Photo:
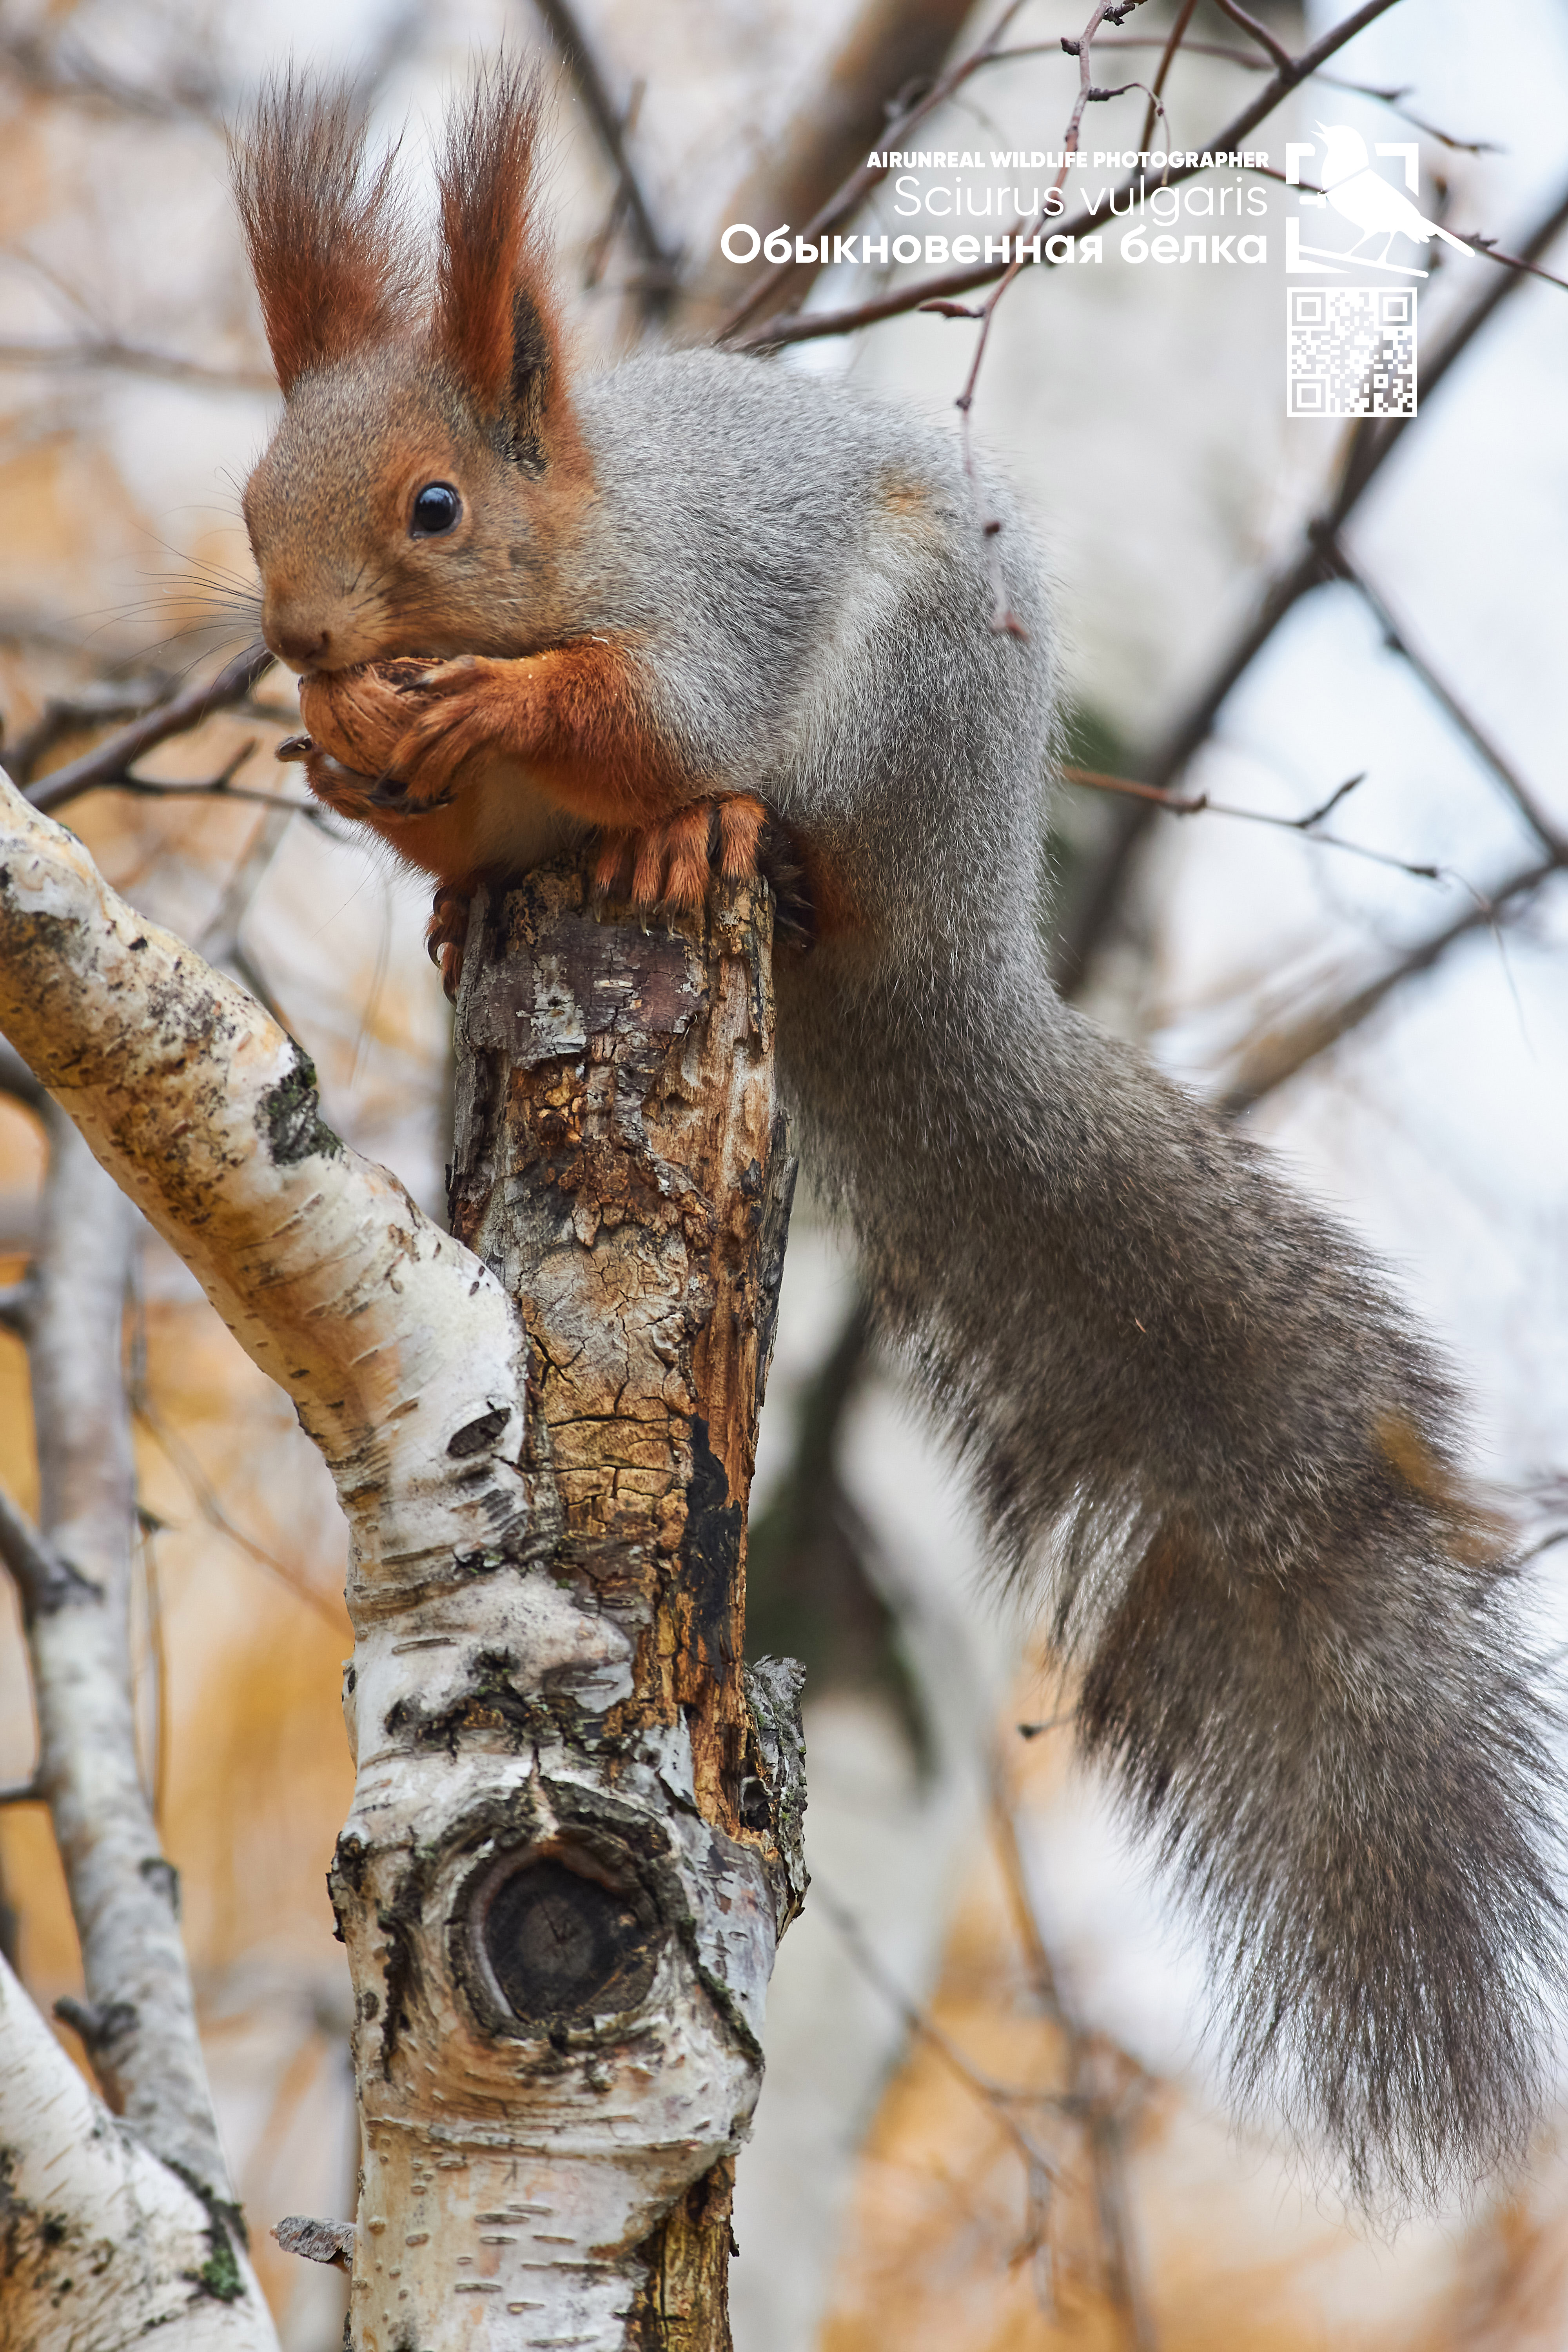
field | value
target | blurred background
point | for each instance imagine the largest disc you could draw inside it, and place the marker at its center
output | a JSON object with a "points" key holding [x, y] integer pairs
{"points": [[991, 2122]]}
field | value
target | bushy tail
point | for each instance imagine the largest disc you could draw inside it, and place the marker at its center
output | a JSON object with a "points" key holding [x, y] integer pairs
{"points": [[1298, 1640]]}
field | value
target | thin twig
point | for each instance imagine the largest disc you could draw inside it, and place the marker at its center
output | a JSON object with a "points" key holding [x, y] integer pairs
{"points": [[1201, 804], [799, 327], [1490, 250], [97, 704], [1100, 2116], [1252, 63], [1003, 620], [220, 787], [1397, 639], [996, 2096], [1285, 1051], [852, 193], [1177, 35], [107, 352], [114, 756], [48, 68], [1370, 442], [189, 1469], [659, 274], [1261, 34]]}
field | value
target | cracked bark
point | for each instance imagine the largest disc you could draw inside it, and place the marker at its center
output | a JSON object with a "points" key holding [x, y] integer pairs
{"points": [[589, 1809], [575, 1835]]}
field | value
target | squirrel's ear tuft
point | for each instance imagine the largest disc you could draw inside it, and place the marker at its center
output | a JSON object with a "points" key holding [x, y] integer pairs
{"points": [[330, 256], [494, 323]]}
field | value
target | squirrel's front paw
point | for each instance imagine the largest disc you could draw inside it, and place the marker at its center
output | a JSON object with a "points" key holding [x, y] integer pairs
{"points": [[359, 716], [343, 789], [451, 711], [672, 863]]}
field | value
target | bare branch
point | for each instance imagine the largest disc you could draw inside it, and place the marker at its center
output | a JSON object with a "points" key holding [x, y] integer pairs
{"points": [[112, 758], [1398, 640], [1001, 2100], [97, 704], [220, 787], [1177, 35], [893, 48], [92, 2216], [189, 1470], [1096, 2099], [45, 1580], [1370, 444], [1254, 64], [797, 327], [1200, 804], [122, 1888], [61, 69], [659, 274], [1261, 34], [1490, 250], [1003, 619], [1284, 1051], [108, 352]]}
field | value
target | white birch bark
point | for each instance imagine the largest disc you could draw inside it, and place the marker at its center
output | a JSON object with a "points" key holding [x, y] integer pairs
{"points": [[115, 2223], [559, 1928], [139, 2020], [103, 2246]]}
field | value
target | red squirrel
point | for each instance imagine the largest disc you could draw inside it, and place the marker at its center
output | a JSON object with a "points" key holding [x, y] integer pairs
{"points": [[668, 608]]}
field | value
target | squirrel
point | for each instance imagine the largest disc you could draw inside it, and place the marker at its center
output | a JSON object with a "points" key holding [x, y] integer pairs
{"points": [[700, 601]]}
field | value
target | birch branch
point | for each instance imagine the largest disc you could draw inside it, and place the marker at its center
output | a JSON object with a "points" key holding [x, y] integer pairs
{"points": [[574, 1834], [177, 2243], [105, 2248], [138, 2021]]}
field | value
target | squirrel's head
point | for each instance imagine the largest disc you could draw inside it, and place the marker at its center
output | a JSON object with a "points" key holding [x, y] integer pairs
{"points": [[427, 462]]}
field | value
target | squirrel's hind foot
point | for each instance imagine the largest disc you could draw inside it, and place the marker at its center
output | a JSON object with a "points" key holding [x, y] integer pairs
{"points": [[672, 864], [447, 930]]}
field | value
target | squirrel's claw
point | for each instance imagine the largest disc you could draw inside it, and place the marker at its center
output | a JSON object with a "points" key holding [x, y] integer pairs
{"points": [[338, 788], [442, 676], [392, 796], [673, 863], [447, 930]]}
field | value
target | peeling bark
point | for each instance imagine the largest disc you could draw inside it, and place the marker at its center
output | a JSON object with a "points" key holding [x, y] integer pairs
{"points": [[575, 1838], [559, 1885]]}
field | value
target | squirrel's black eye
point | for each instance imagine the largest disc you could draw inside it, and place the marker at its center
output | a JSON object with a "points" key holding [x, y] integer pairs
{"points": [[436, 509]]}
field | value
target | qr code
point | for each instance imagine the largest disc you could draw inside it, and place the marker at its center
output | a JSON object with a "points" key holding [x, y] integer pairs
{"points": [[1351, 351]]}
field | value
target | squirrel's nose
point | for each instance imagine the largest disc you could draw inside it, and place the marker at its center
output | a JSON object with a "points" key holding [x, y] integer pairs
{"points": [[299, 649]]}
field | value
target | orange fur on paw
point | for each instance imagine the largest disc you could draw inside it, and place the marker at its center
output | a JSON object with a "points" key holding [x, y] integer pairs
{"points": [[452, 711], [445, 933], [673, 863], [359, 715], [410, 724], [342, 789]]}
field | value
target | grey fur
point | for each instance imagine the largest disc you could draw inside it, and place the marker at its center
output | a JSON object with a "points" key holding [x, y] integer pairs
{"points": [[1182, 1391], [1178, 1384]]}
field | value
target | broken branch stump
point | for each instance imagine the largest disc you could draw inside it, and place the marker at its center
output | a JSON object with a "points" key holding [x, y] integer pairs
{"points": [[576, 1833]]}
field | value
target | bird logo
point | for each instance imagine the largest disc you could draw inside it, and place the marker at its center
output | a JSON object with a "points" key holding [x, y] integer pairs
{"points": [[1366, 200]]}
